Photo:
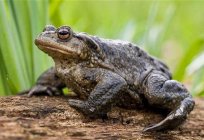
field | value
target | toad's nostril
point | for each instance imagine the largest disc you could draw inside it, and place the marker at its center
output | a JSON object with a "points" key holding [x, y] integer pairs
{"points": [[49, 28]]}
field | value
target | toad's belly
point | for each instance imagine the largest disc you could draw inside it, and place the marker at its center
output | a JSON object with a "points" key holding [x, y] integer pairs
{"points": [[81, 88]]}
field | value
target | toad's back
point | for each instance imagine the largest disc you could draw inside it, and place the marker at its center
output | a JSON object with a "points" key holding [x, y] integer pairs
{"points": [[129, 61]]}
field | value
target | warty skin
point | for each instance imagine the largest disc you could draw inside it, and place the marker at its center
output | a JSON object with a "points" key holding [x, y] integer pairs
{"points": [[105, 73]]}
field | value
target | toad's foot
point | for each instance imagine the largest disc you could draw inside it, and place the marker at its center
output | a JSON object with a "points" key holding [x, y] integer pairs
{"points": [[174, 119], [44, 90], [82, 106]]}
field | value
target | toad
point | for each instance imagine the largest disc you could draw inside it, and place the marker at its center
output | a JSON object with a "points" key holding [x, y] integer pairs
{"points": [[105, 73]]}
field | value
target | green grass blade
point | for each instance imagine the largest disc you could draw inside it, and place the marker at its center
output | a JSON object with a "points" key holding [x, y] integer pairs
{"points": [[190, 53], [39, 13], [3, 85], [21, 17], [9, 49]]}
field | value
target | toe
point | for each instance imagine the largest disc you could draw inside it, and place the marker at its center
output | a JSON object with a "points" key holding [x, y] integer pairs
{"points": [[151, 128], [75, 103]]}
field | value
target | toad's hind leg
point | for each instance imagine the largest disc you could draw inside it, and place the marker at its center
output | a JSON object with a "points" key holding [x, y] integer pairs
{"points": [[48, 84], [162, 92]]}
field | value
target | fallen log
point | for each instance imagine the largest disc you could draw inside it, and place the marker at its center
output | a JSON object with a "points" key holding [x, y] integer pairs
{"points": [[52, 118]]}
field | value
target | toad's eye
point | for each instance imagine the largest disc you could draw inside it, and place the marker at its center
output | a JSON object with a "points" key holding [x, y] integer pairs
{"points": [[64, 33]]}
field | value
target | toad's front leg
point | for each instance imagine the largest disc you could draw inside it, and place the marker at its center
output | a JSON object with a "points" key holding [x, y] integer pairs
{"points": [[102, 97]]}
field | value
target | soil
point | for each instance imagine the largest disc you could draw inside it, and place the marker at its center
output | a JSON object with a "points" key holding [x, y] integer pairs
{"points": [[42, 117]]}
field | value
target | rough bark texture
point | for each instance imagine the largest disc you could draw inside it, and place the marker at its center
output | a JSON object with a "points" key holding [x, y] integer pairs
{"points": [[51, 118]]}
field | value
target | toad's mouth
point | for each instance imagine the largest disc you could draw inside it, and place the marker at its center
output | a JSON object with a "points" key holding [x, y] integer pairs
{"points": [[46, 45]]}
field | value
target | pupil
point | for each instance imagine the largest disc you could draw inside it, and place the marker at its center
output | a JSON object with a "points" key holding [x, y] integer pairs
{"points": [[63, 32]]}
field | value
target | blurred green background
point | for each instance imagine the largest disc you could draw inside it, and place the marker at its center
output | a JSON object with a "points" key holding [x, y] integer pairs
{"points": [[171, 30]]}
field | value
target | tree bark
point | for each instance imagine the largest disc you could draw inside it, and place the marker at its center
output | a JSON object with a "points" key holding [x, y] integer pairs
{"points": [[52, 118]]}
